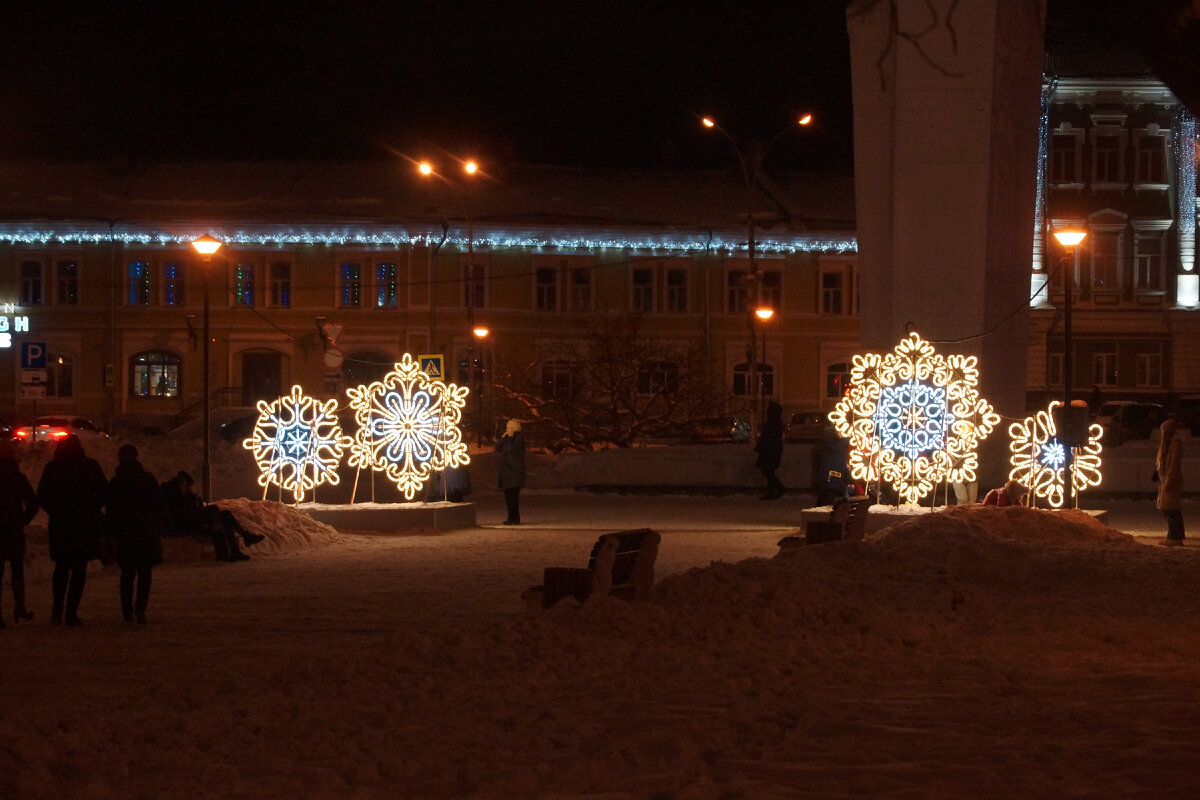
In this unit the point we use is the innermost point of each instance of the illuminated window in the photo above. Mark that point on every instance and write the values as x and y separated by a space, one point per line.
581 289
837 380
138 283
281 284
350 285
677 291
244 286
67 279
173 284
154 373
546 289
31 283
643 290
386 286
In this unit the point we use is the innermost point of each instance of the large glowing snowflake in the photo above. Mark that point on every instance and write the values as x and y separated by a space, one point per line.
408 426
297 442
1039 459
914 418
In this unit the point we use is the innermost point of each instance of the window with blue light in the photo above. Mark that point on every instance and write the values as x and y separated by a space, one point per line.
350 285
138 283
173 288
243 284
386 287
281 284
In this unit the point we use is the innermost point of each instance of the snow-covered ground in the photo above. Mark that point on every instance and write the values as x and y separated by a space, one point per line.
983 652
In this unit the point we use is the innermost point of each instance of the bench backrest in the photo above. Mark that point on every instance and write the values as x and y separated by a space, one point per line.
624 559
855 525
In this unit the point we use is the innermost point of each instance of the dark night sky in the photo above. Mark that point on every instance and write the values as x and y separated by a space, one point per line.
599 84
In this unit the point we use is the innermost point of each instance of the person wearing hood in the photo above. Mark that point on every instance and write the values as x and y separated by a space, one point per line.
137 514
511 447
1168 465
1012 493
18 507
770 450
74 491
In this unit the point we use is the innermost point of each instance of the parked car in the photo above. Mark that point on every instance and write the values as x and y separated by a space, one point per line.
1133 421
10 424
806 426
1187 413
1105 414
53 427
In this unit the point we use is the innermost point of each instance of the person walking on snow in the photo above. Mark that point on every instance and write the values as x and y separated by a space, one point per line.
137 515
770 450
18 507
73 490
1168 465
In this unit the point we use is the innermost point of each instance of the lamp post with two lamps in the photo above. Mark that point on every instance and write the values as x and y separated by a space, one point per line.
751 164
1071 239
206 245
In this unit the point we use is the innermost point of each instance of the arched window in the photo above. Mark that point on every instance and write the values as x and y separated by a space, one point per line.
154 373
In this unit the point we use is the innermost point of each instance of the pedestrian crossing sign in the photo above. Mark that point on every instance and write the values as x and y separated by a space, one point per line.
433 366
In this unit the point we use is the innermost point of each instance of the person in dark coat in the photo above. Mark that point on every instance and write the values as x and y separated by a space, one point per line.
190 516
18 507
137 514
832 470
511 447
1168 470
770 450
73 490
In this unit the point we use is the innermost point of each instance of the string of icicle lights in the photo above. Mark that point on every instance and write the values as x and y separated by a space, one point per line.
341 238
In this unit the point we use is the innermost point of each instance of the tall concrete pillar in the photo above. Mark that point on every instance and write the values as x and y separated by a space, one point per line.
946 106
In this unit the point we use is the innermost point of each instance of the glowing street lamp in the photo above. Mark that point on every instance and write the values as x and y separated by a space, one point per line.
206 245
470 168
751 164
1071 239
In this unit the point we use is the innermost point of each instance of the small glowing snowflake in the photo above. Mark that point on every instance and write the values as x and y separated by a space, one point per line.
408 426
913 418
297 442
1039 459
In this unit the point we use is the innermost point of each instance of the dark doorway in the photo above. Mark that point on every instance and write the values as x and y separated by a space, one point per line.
262 374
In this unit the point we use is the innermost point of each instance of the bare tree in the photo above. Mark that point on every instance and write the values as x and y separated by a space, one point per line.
611 384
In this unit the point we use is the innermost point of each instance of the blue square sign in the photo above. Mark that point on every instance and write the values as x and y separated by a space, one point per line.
33 355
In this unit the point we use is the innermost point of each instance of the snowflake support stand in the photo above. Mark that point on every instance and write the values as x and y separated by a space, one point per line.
914 418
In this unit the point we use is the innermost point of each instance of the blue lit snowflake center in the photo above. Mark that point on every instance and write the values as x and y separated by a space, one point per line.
297 440
913 418
1053 454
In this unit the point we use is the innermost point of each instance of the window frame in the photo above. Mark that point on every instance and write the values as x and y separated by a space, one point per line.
174 286
279 287
66 287
349 287
140 285
169 363
386 287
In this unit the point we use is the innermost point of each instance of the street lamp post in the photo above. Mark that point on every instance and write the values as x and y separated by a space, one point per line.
206 245
1071 239
751 164
764 314
480 336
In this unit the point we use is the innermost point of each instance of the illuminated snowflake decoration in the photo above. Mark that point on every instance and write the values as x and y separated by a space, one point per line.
297 442
408 426
914 418
1039 459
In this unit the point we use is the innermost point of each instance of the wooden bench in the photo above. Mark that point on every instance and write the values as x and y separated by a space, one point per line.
621 565
847 522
